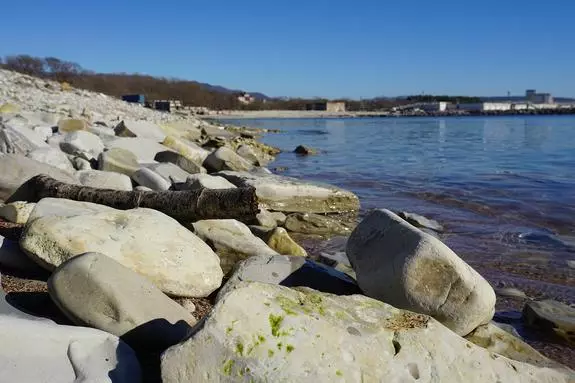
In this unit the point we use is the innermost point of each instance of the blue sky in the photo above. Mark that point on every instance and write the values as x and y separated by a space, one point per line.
361 48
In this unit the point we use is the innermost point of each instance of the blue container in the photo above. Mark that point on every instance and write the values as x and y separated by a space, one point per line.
135 98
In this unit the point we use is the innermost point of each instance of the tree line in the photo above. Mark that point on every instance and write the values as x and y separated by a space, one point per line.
188 92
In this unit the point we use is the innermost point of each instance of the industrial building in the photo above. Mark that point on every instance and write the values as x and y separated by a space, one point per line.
532 96
329 106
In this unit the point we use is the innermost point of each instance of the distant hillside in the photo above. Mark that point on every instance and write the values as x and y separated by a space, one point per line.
117 84
221 89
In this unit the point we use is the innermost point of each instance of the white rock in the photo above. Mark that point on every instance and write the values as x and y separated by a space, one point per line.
43 131
262 332
41 351
19 138
118 160
141 129
247 152
187 148
17 169
232 240
81 163
169 172
53 157
291 195
266 219
104 180
144 240
83 144
226 159
102 131
94 290
181 161
403 266
17 212
145 149
150 179
200 181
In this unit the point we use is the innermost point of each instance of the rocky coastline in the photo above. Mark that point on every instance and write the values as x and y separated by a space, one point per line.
137 246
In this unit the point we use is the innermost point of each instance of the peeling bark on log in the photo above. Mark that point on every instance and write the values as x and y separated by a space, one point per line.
184 206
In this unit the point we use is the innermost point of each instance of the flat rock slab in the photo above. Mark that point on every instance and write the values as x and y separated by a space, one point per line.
263 332
149 178
53 157
187 149
170 172
144 240
292 195
82 144
16 169
181 161
290 272
200 181
144 149
41 351
119 160
553 316
94 290
226 159
399 264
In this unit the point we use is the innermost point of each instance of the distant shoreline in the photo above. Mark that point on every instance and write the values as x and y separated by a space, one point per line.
257 114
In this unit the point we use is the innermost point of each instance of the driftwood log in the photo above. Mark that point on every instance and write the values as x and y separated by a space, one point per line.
184 206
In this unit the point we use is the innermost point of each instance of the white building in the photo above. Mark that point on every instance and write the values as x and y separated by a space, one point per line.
532 96
485 106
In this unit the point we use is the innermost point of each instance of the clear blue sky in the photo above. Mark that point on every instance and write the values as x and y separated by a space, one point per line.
361 48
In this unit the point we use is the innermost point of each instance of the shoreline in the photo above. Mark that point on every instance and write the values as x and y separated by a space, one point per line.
310 114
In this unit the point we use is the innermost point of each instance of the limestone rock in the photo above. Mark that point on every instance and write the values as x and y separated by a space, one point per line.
226 159
9 108
102 131
232 240
44 132
249 154
141 129
41 351
69 125
552 316
144 149
82 144
179 160
498 341
280 241
94 290
420 221
119 160
188 129
151 179
266 219
200 181
403 266
187 149
292 195
53 157
308 223
16 169
104 180
290 272
17 212
16 137
263 332
144 240
279 217
169 172
81 163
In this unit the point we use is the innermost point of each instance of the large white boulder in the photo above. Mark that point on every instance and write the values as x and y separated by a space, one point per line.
53 157
149 178
144 240
118 160
262 332
41 351
181 161
16 136
94 290
403 266
16 169
145 149
141 129
104 180
82 144
169 172
226 159
292 195
186 148
232 240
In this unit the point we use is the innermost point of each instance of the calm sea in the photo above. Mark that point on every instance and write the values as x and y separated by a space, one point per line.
504 187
